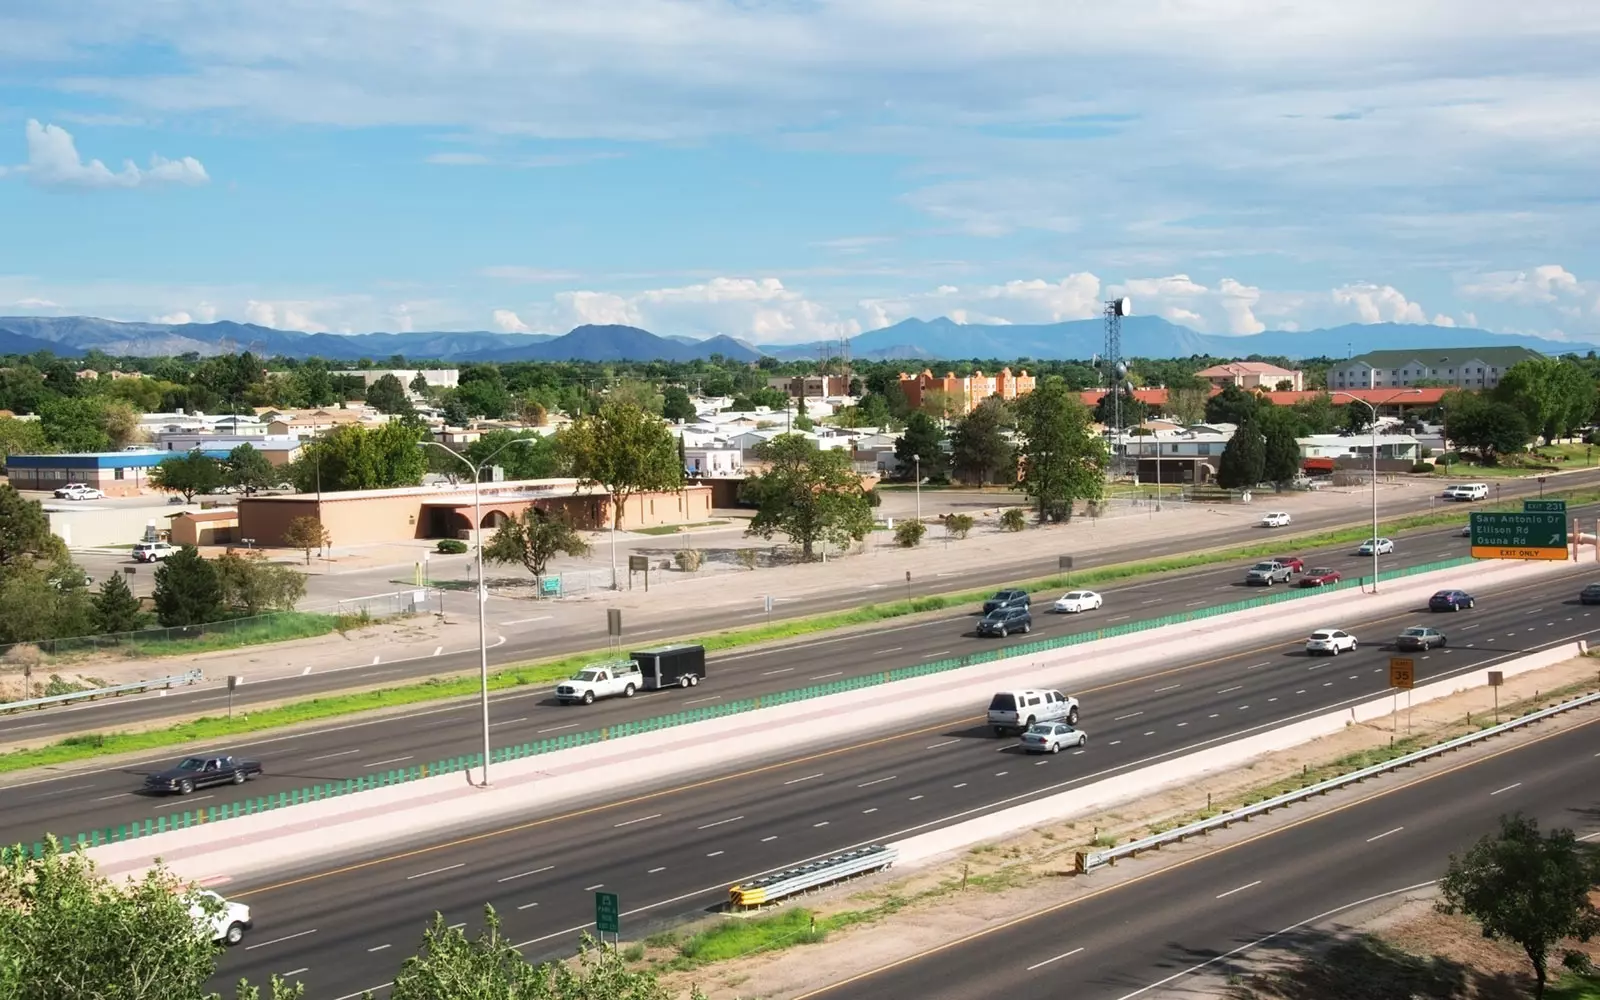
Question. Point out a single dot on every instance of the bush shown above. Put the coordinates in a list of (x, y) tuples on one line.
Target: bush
[(689, 560), (747, 558), (1422, 467), (908, 534), (874, 498), (1013, 519), (451, 546), (958, 525)]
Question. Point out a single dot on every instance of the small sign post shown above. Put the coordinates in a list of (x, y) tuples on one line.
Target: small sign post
[(1496, 678), (638, 564), (234, 680), (1401, 676), (766, 603), (607, 916)]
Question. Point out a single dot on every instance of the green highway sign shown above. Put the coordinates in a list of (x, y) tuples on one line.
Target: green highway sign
[(607, 914), (1544, 506), (1528, 535)]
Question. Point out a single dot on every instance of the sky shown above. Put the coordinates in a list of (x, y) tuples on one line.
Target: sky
[(793, 170)]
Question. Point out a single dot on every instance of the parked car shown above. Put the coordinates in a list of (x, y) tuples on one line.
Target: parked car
[(85, 493), (1419, 638), (1319, 576), (218, 919), (1007, 599), (1265, 574), (1004, 621), (1450, 600), (1295, 563), (152, 551), (1050, 737), (1275, 519), (1331, 641), (203, 772), (1383, 547), (1078, 600), (62, 491), (1018, 711), (1589, 594)]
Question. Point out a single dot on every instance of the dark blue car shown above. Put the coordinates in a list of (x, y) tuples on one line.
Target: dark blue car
[(1450, 600)]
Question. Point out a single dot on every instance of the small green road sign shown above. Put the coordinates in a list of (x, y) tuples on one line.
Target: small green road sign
[(1544, 506), (1528, 535), (607, 915)]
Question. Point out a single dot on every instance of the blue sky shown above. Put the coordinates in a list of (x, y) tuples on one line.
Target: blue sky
[(788, 170)]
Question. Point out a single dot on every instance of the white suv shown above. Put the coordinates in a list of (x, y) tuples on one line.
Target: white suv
[(1467, 491), (1331, 641), (1016, 711), (217, 918), (152, 551)]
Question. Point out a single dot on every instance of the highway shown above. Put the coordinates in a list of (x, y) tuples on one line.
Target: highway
[(543, 641), (1150, 937), (84, 799), (675, 852)]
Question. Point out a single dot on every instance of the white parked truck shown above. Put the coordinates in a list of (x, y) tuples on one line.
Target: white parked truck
[(217, 918), (649, 670)]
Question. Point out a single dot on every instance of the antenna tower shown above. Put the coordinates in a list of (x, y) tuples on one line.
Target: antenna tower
[(1116, 369)]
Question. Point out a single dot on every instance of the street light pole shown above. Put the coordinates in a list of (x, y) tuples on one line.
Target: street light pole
[(917, 460), (483, 594), (1373, 410)]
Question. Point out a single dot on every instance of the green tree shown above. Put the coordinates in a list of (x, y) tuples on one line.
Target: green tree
[(419, 384), (532, 539), (1231, 406), (1244, 459), (908, 534), (1526, 887), (640, 394), (1355, 419), (25, 533), (1554, 396), (1131, 410), (246, 469), (482, 392), (188, 474), (1281, 457), (1318, 415), (115, 607), (74, 424), (803, 422), (958, 525), (188, 591), (980, 452), (249, 585), (44, 600), (676, 404), (924, 440), (387, 395), (306, 533), (1062, 459), (538, 459), (21, 437), (352, 457), (1488, 427), (808, 494), (625, 451), (1186, 400)]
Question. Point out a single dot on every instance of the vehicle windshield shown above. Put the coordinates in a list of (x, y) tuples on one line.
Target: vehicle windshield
[(1322, 635), (192, 764), (1320, 571), (589, 675), (1003, 703), (1415, 631), (1042, 728), (1263, 567), (1076, 595)]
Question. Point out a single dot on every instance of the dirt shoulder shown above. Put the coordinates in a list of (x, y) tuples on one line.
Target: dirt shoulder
[(886, 918)]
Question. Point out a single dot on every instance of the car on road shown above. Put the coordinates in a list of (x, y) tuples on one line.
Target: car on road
[(1265, 574), (1330, 641), (1295, 563), (152, 551), (218, 919), (1589, 594), (84, 493), (1004, 621), (1419, 638), (203, 772), (1275, 519), (1451, 600), (62, 491), (1007, 599), (1051, 737), (1078, 600), (1376, 546), (1319, 576), (1467, 491), (1465, 532), (1019, 711)]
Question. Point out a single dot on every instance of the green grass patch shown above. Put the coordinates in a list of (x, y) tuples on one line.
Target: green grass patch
[(675, 529), (253, 632), (1575, 987), (738, 937)]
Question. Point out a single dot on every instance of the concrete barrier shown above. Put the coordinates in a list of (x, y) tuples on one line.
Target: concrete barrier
[(253, 846)]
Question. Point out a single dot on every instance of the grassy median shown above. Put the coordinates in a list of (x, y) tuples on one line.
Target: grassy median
[(540, 672)]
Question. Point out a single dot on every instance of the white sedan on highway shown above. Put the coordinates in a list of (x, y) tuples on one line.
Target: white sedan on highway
[(85, 493), (1275, 519), (1078, 600), (1051, 737), (1330, 642), (1380, 546)]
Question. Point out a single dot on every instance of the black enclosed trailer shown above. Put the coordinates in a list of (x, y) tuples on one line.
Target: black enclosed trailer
[(671, 666)]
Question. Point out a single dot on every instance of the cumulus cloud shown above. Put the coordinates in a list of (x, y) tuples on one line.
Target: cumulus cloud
[(1545, 284), (283, 316), (507, 321), (758, 309), (1369, 303), (54, 161)]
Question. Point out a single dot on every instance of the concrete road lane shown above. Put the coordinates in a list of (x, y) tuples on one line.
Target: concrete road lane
[(90, 798), (675, 852), (1151, 937)]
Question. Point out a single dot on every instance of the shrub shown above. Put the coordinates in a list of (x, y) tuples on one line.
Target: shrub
[(874, 498), (908, 534), (958, 524), (1013, 519), (747, 558), (451, 546), (689, 560), (1422, 467)]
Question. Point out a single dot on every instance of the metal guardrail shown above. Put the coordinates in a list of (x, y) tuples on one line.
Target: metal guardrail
[(812, 875), (1089, 861), (450, 765), (187, 677)]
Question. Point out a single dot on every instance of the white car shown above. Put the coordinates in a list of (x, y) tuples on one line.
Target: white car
[(1050, 737), (85, 493), (1378, 546), (1275, 519), (1078, 600), (62, 491), (1331, 641), (217, 918), (152, 551)]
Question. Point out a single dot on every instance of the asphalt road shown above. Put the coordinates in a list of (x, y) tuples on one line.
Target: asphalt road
[(94, 716), (675, 852), (87, 799), (1154, 935)]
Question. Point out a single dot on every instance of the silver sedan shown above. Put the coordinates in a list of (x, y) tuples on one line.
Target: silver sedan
[(1051, 737)]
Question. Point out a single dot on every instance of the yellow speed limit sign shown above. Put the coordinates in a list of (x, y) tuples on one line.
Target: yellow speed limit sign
[(1400, 672)]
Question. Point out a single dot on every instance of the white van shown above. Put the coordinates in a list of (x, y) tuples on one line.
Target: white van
[(1467, 491), (1015, 711)]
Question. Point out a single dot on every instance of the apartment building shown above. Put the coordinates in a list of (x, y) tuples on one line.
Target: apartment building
[(1460, 367), (811, 386), (964, 394)]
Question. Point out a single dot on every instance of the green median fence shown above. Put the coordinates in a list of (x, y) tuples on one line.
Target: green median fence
[(383, 779)]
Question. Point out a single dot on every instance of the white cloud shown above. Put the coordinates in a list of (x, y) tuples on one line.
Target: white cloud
[(507, 321), (36, 303), (1228, 308), (1368, 303), (1545, 284), (1032, 300), (284, 316), (54, 161), (756, 309)]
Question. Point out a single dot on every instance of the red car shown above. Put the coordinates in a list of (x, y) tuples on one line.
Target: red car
[(1319, 576), (1295, 563)]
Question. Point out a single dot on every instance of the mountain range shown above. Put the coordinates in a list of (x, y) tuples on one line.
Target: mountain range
[(909, 340)]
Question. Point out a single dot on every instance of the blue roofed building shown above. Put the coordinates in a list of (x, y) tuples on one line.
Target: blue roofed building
[(114, 473)]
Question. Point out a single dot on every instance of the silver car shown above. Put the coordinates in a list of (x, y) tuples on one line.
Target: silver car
[(1050, 737)]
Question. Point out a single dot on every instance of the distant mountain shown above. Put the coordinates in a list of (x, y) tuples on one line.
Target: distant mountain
[(18, 343), (1147, 337)]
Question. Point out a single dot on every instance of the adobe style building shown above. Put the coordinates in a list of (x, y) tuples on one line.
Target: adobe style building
[(811, 386), (1253, 375), (964, 394)]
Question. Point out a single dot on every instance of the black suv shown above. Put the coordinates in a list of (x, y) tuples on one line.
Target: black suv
[(1590, 594), (1004, 621), (1008, 599)]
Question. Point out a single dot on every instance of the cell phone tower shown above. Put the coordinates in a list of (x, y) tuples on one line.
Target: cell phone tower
[(1115, 310)]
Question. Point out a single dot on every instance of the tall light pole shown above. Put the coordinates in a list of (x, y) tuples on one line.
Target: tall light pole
[(483, 594), (1372, 408), (917, 461)]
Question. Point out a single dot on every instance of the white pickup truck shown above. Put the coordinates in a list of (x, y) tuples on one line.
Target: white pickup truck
[(600, 681), (217, 918)]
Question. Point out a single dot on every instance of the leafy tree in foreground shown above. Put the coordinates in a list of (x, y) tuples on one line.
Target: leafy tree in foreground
[(352, 457), (387, 395), (923, 440), (115, 607), (1281, 456), (188, 474), (306, 533), (1526, 887), (625, 451), (1244, 458), (1490, 428), (1231, 406), (979, 450), (188, 591), (247, 469), (808, 494), (532, 539), (1062, 460), (25, 531), (250, 585)]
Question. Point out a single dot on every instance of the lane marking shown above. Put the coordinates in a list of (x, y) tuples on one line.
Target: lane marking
[(1118, 618), (934, 656), (1385, 834), (891, 649), (767, 839), (294, 972), (280, 940), (879, 781), (780, 670), (330, 756), (796, 781), (1236, 687), (376, 660), (720, 822), (1130, 715), (866, 811), (592, 888), (630, 822), (536, 871), (507, 722), (1508, 788), (818, 677), (1242, 888), (436, 871), (380, 947), (714, 854), (946, 743), (1065, 954), (527, 906), (1169, 687), (391, 760), (436, 651), (655, 870), (524, 621), (553, 729), (697, 701), (816, 825), (187, 798)]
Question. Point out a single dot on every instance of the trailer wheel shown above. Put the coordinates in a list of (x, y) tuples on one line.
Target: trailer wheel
[(683, 681), (694, 680)]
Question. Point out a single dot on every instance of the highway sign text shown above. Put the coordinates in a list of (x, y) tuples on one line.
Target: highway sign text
[(607, 914), (1400, 672), (1525, 535)]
